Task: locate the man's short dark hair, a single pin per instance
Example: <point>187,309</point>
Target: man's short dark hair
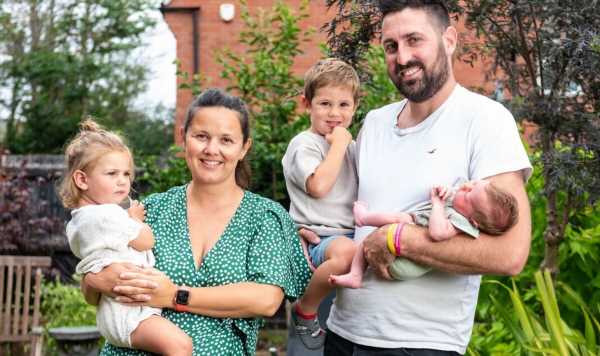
<point>437,10</point>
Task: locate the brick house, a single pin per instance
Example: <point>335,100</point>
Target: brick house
<point>200,31</point>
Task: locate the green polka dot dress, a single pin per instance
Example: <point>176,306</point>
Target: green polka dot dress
<point>259,244</point>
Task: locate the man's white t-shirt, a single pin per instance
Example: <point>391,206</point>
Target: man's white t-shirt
<point>468,136</point>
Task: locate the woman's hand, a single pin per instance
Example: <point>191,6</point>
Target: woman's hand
<point>105,280</point>
<point>147,286</point>
<point>308,237</point>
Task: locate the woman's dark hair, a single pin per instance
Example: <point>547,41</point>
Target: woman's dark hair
<point>214,97</point>
<point>437,10</point>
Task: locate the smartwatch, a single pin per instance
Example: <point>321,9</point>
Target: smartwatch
<point>182,299</point>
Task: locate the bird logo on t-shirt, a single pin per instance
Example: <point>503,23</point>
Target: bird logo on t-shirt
<point>432,151</point>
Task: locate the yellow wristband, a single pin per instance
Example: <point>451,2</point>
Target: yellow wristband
<point>390,238</point>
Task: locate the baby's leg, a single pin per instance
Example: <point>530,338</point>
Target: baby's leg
<point>158,335</point>
<point>363,217</point>
<point>352,279</point>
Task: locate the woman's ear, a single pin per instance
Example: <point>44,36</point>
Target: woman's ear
<point>246,148</point>
<point>80,179</point>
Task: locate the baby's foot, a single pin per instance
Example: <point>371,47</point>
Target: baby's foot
<point>348,280</point>
<point>360,211</point>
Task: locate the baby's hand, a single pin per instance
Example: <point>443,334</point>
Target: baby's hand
<point>339,135</point>
<point>439,194</point>
<point>137,211</point>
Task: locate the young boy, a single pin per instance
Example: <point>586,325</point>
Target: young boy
<point>320,175</point>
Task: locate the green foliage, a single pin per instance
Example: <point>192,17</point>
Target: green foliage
<point>263,77</point>
<point>63,305</point>
<point>379,89</point>
<point>147,134</point>
<point>160,173</point>
<point>579,252</point>
<point>67,60</point>
<point>189,82</point>
<point>580,255</point>
<point>596,43</point>
<point>543,331</point>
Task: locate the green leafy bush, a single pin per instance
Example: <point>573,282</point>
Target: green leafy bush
<point>379,89</point>
<point>579,258</point>
<point>540,331</point>
<point>263,77</point>
<point>160,173</point>
<point>63,305</point>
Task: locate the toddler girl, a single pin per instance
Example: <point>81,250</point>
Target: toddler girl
<point>99,171</point>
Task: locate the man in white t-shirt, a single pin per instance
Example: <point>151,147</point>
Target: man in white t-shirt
<point>441,132</point>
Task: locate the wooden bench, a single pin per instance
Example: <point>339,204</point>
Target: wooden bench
<point>20,292</point>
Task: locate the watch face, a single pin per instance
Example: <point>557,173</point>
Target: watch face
<point>182,297</point>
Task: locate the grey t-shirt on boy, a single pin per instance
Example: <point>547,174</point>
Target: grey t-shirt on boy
<point>332,214</point>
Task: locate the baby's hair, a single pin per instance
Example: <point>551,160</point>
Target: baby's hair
<point>503,215</point>
<point>82,153</point>
<point>334,72</point>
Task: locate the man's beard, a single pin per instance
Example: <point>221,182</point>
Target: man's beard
<point>419,90</point>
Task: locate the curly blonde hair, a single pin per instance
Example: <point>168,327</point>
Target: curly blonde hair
<point>83,153</point>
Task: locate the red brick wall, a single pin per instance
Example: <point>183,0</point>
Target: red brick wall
<point>215,34</point>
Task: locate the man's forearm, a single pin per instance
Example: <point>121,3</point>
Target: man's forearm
<point>460,254</point>
<point>505,254</point>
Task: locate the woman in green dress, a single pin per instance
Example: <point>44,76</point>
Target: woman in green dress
<point>225,257</point>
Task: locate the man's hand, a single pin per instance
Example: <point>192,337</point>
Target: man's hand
<point>376,252</point>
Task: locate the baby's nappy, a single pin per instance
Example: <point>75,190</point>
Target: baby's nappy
<point>117,321</point>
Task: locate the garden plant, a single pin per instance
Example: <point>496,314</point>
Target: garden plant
<point>64,60</point>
